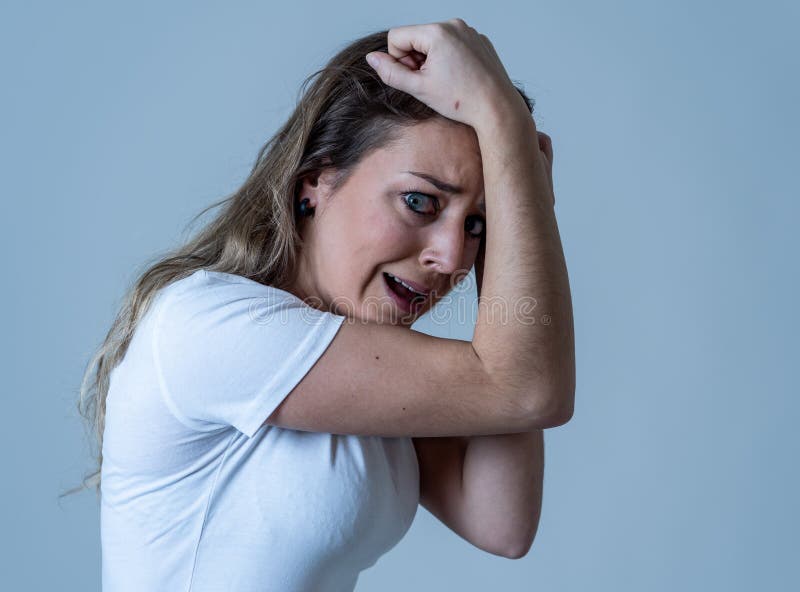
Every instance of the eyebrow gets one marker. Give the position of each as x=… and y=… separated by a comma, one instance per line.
x=444, y=186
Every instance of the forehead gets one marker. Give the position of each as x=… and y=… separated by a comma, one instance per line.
x=448, y=152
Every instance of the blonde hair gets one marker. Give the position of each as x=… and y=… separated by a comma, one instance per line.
x=344, y=111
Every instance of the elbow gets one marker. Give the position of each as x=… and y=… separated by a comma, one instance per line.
x=519, y=550
x=563, y=413
x=517, y=554
x=552, y=411
x=560, y=403
x=514, y=545
x=523, y=538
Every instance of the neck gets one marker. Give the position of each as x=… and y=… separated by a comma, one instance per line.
x=302, y=287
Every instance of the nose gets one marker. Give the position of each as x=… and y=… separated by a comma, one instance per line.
x=444, y=252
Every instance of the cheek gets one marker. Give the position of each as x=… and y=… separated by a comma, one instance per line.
x=391, y=235
x=385, y=229
x=354, y=241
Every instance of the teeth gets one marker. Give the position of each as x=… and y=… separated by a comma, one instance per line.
x=399, y=281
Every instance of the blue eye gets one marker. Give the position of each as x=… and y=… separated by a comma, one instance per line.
x=413, y=199
x=482, y=226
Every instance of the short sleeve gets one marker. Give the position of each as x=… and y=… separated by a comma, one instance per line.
x=228, y=350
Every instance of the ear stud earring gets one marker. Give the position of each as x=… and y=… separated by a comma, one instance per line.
x=304, y=208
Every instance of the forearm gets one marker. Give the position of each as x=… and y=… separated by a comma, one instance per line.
x=524, y=331
x=502, y=480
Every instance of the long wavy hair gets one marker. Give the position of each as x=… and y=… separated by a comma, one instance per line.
x=343, y=112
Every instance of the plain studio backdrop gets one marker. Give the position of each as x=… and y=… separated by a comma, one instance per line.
x=675, y=129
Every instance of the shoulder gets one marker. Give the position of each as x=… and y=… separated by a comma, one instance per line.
x=204, y=280
x=228, y=306
x=205, y=290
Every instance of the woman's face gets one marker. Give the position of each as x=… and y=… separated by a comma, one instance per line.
x=386, y=219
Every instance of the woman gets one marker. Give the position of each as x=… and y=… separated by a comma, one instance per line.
x=251, y=439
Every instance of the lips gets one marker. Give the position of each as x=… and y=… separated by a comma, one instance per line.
x=405, y=299
x=417, y=287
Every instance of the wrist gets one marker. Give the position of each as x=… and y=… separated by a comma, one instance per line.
x=508, y=135
x=504, y=111
x=507, y=124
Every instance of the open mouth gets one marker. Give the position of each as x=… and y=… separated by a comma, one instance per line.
x=406, y=299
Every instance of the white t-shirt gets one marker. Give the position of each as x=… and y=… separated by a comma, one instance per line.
x=197, y=494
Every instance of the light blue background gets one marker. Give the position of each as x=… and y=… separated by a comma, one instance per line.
x=675, y=127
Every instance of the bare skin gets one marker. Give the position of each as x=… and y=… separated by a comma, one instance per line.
x=485, y=487
x=367, y=227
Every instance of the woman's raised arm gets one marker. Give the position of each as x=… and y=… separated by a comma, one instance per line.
x=519, y=371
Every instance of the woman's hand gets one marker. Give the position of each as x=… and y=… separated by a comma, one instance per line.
x=450, y=67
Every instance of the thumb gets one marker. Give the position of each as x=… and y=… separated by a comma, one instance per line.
x=392, y=72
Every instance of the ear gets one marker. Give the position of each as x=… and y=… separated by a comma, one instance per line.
x=317, y=187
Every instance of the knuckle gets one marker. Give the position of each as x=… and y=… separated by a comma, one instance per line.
x=439, y=30
x=390, y=37
x=546, y=142
x=394, y=32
